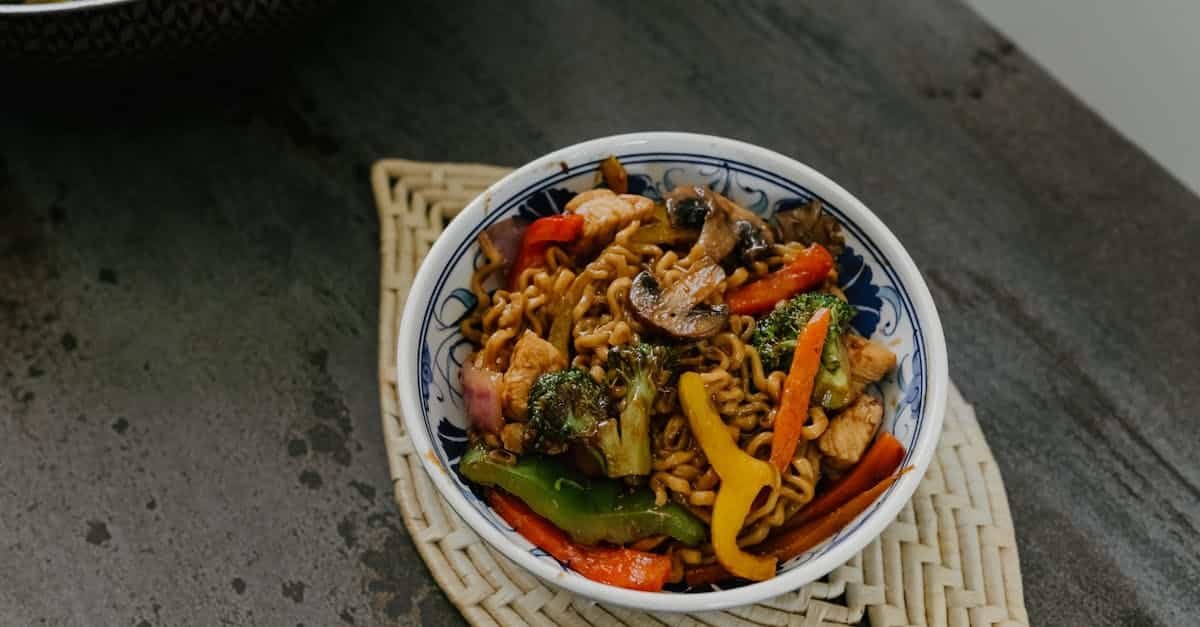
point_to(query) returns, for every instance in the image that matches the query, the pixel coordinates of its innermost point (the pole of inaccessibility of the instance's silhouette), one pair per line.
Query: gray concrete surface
(188, 290)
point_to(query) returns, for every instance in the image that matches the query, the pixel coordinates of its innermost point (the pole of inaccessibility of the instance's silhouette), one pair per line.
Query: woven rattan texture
(950, 558)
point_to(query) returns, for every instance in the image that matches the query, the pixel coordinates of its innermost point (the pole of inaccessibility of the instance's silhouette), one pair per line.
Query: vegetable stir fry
(671, 392)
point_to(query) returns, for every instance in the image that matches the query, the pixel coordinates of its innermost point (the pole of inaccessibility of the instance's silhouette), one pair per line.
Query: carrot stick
(616, 566)
(881, 460)
(797, 389)
(796, 541)
(706, 574)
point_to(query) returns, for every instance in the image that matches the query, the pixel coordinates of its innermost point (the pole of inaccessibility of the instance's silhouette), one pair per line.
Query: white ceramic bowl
(877, 275)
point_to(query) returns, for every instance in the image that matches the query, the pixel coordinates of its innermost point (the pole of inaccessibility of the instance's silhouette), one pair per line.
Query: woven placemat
(950, 558)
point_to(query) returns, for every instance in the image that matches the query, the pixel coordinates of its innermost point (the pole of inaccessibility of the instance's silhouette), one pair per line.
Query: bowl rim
(890, 248)
(58, 7)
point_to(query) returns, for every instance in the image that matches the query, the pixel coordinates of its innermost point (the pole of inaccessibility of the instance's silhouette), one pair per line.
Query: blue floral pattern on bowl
(886, 312)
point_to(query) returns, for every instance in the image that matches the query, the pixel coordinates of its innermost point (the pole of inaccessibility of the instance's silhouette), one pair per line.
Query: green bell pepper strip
(589, 510)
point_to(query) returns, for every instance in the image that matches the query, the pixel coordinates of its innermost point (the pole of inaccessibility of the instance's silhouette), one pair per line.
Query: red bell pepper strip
(793, 542)
(539, 236)
(615, 566)
(880, 461)
(804, 272)
(797, 389)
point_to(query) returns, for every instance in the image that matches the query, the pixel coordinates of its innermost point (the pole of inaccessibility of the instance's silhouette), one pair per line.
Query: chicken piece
(589, 195)
(869, 362)
(604, 213)
(850, 433)
(531, 358)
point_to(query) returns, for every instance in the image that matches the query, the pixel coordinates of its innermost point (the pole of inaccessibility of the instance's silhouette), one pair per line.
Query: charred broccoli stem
(643, 369)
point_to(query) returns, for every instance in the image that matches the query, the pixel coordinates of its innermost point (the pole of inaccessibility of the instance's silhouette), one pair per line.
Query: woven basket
(950, 558)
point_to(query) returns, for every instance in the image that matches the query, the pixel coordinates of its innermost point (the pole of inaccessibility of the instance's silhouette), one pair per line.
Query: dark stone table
(188, 290)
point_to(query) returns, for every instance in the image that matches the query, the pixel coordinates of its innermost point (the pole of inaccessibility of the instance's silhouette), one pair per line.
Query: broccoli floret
(775, 335)
(775, 339)
(565, 407)
(569, 410)
(643, 369)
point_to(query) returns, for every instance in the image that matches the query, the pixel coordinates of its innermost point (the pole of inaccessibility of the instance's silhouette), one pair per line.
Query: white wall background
(1136, 62)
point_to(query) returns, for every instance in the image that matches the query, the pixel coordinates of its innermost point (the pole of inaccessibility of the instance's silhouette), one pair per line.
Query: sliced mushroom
(751, 243)
(696, 206)
(739, 213)
(810, 224)
(689, 206)
(726, 225)
(679, 310)
(717, 238)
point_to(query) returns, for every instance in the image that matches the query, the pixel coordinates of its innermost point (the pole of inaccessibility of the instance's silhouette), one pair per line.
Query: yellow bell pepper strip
(561, 323)
(742, 478)
(793, 542)
(657, 230)
(614, 175)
